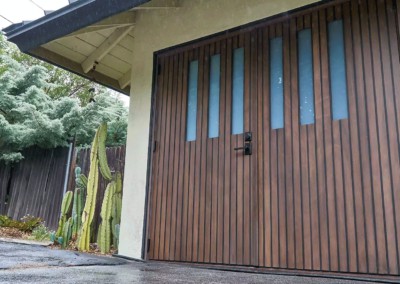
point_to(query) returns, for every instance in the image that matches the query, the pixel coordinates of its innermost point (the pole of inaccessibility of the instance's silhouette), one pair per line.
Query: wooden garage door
(319, 93)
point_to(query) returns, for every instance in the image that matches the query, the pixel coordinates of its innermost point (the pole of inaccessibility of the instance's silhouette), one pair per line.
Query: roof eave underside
(32, 37)
(66, 21)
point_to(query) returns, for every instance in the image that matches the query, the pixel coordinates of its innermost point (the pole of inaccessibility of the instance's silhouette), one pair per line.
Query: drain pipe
(67, 170)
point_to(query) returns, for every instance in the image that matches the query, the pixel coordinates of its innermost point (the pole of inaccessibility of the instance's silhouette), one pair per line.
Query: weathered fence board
(5, 173)
(35, 185)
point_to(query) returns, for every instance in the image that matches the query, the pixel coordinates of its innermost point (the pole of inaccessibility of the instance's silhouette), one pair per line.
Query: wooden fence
(35, 186)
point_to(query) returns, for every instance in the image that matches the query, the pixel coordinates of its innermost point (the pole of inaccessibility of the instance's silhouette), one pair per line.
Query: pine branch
(77, 89)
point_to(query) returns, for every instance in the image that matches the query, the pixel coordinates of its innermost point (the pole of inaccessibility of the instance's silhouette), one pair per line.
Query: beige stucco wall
(159, 29)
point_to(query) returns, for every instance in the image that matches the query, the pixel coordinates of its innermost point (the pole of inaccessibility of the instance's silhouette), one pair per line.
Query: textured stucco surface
(156, 30)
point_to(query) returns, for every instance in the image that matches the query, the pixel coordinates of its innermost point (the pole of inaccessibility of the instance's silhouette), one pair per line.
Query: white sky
(26, 10)
(16, 11)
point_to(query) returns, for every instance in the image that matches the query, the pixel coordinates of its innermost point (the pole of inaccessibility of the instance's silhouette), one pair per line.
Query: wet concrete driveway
(35, 264)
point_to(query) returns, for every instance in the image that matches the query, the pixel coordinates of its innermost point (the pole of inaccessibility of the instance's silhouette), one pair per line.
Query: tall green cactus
(78, 171)
(77, 210)
(79, 200)
(104, 168)
(66, 234)
(65, 206)
(112, 202)
(80, 179)
(116, 210)
(116, 235)
(106, 211)
(90, 204)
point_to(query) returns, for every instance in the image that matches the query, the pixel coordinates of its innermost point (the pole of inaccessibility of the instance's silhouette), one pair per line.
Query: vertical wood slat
(315, 197)
(191, 187)
(198, 160)
(164, 170)
(266, 178)
(350, 154)
(176, 214)
(208, 162)
(395, 73)
(260, 147)
(308, 230)
(292, 153)
(203, 83)
(274, 188)
(234, 206)
(253, 246)
(221, 211)
(289, 35)
(247, 182)
(184, 165)
(229, 237)
(281, 149)
(238, 179)
(170, 162)
(320, 155)
(217, 188)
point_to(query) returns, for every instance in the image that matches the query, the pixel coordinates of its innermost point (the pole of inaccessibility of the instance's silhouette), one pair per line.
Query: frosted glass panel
(306, 82)
(276, 77)
(337, 70)
(213, 103)
(192, 101)
(237, 91)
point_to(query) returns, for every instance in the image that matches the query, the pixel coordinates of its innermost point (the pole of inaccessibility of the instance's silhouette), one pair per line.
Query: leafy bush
(27, 223)
(39, 106)
(40, 233)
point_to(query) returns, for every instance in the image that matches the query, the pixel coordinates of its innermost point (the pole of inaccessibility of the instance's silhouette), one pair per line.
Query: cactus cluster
(64, 226)
(112, 202)
(79, 225)
(111, 215)
(91, 193)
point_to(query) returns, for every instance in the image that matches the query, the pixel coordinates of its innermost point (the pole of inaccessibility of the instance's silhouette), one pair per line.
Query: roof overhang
(79, 19)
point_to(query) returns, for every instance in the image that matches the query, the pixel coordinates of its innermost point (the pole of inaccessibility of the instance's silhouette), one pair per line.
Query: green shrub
(27, 223)
(40, 233)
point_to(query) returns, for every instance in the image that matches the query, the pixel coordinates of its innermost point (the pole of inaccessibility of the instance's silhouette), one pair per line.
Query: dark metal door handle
(247, 148)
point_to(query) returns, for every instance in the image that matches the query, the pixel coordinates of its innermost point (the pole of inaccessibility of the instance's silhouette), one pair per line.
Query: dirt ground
(13, 233)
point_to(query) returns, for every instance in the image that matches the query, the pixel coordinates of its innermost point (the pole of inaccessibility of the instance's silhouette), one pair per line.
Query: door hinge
(148, 245)
(154, 146)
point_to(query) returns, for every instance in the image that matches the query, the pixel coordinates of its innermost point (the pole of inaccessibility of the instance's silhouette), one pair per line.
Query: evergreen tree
(36, 109)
